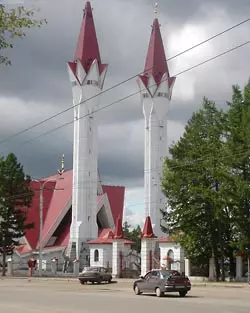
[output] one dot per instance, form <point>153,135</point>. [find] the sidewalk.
<point>128,283</point>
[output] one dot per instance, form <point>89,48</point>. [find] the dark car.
<point>162,281</point>
<point>94,275</point>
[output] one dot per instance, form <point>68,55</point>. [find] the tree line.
<point>15,199</point>
<point>15,191</point>
<point>206,181</point>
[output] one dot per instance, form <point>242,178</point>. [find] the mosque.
<point>82,218</point>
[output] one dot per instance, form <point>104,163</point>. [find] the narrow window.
<point>96,255</point>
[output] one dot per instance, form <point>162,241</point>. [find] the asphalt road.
<point>70,297</point>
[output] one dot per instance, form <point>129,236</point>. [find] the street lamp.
<point>42,184</point>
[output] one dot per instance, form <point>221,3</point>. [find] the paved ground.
<point>70,297</point>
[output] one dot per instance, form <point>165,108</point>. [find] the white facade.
<point>86,87</point>
<point>147,245</point>
<point>20,261</point>
<point>118,250</point>
<point>155,100</point>
<point>101,255</point>
<point>105,255</point>
<point>174,251</point>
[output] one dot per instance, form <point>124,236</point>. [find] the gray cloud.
<point>37,85</point>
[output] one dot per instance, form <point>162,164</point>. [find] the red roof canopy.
<point>57,210</point>
<point>156,62</point>
<point>118,229</point>
<point>87,49</point>
<point>106,236</point>
<point>166,240</point>
<point>148,229</point>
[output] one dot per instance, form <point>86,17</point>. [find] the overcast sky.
<point>36,86</point>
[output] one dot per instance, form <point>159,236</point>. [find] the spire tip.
<point>61,170</point>
<point>156,10</point>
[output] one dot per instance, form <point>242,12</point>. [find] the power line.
<point>119,84</point>
<point>182,165</point>
<point>194,162</point>
<point>211,38</point>
<point>137,92</point>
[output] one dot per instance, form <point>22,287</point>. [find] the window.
<point>92,82</point>
<point>96,256</point>
<point>74,83</point>
<point>147,276</point>
<point>167,273</point>
<point>162,94</point>
<point>145,95</point>
<point>155,274</point>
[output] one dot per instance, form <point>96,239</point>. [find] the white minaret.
<point>156,90</point>
<point>87,75</point>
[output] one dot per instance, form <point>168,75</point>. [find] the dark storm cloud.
<point>37,84</point>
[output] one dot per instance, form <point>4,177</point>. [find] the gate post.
<point>118,250</point>
<point>148,240</point>
<point>10,267</point>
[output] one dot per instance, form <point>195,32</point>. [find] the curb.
<point>246,285</point>
<point>121,282</point>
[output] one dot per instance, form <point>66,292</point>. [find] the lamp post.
<point>42,185</point>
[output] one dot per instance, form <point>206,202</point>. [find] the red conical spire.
<point>87,49</point>
<point>156,62</point>
<point>148,229</point>
<point>118,229</point>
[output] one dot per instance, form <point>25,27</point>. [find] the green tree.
<point>15,199</point>
<point>133,235</point>
<point>193,182</point>
<point>13,23</point>
<point>126,229</point>
<point>238,151</point>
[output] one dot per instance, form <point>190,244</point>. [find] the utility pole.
<point>42,185</point>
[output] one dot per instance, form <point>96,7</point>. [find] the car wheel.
<point>109,281</point>
<point>182,293</point>
<point>82,282</point>
<point>158,292</point>
<point>137,290</point>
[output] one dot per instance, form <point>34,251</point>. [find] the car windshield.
<point>166,273</point>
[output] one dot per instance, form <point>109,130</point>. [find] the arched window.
<point>96,256</point>
<point>170,258</point>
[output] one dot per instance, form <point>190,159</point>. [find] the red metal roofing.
<point>106,236</point>
<point>165,239</point>
<point>55,202</point>
<point>23,249</point>
<point>33,212</point>
<point>118,229</point>
<point>104,232</point>
<point>63,230</point>
<point>87,49</point>
<point>116,196</point>
<point>105,241</point>
<point>61,197</point>
<point>156,62</point>
<point>148,230</point>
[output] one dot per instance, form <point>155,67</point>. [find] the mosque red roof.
<point>57,210</point>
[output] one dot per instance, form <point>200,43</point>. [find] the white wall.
<point>105,255</point>
<point>178,253</point>
<point>147,245</point>
<point>21,261</point>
